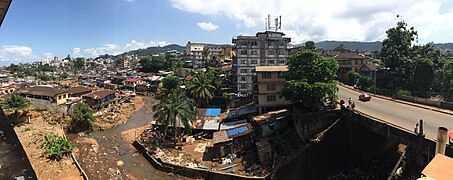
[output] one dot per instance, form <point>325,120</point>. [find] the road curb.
<point>399,101</point>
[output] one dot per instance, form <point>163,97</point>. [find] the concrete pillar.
<point>441,142</point>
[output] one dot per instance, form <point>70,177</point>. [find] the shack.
<point>232,141</point>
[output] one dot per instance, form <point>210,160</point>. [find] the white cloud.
<point>48,55</point>
<point>207,26</point>
<point>304,20</point>
<point>16,54</point>
<point>115,49</point>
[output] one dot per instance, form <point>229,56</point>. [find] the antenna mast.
<point>276,26</point>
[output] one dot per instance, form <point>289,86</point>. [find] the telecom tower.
<point>276,26</point>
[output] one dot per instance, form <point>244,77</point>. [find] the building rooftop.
<point>78,89</point>
<point>41,91</point>
<point>271,68</point>
<point>132,80</point>
<point>264,117</point>
<point>349,55</point>
<point>439,168</point>
<point>100,94</point>
<point>4,5</point>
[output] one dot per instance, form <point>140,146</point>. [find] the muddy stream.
<point>113,156</point>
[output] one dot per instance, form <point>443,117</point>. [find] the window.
<point>243,78</point>
<point>254,43</point>
<point>266,75</point>
<point>243,44</point>
<point>244,86</point>
<point>270,52</point>
<point>271,98</point>
<point>253,70</point>
<point>254,53</point>
<point>243,70</point>
<point>254,62</point>
<point>281,52</point>
<point>356,61</point>
<point>243,52</point>
<point>59,97</point>
<point>271,87</point>
<point>280,61</point>
<point>271,61</point>
<point>243,61</point>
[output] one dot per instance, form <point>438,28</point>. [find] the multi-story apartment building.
<point>194,53</point>
<point>269,84</point>
<point>215,53</point>
<point>265,49</point>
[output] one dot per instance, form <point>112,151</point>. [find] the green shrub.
<point>403,92</point>
<point>57,146</point>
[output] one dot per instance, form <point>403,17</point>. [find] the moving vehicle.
<point>364,97</point>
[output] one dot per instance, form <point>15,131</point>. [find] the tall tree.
<point>446,77</point>
<point>205,56</point>
<point>81,118</point>
<point>310,78</point>
<point>15,103</point>
<point>397,54</point>
<point>174,110</point>
<point>310,45</point>
<point>201,87</point>
<point>153,64</point>
<point>171,82</point>
<point>423,77</point>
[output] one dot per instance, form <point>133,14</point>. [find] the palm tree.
<point>205,56</point>
<point>15,103</point>
<point>174,110</point>
<point>178,67</point>
<point>201,87</point>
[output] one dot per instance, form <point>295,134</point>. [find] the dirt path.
<point>110,154</point>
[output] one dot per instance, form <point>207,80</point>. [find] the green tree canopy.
<point>397,53</point>
<point>201,87</point>
<point>171,82</point>
<point>15,103</point>
<point>79,63</point>
<point>310,78</point>
<point>310,45</point>
<point>423,77</point>
<point>153,64</point>
<point>174,110</point>
<point>81,118</point>
<point>446,77</point>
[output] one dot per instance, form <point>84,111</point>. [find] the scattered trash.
<point>120,163</point>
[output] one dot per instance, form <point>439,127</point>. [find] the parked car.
<point>364,97</point>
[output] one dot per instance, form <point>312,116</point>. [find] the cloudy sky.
<point>33,30</point>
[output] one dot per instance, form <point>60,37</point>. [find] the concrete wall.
<point>344,147</point>
<point>44,105</point>
<point>61,98</point>
<point>308,125</point>
<point>274,77</point>
<point>279,101</point>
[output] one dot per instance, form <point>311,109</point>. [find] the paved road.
<point>400,114</point>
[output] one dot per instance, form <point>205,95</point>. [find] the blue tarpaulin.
<point>236,131</point>
<point>212,112</point>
